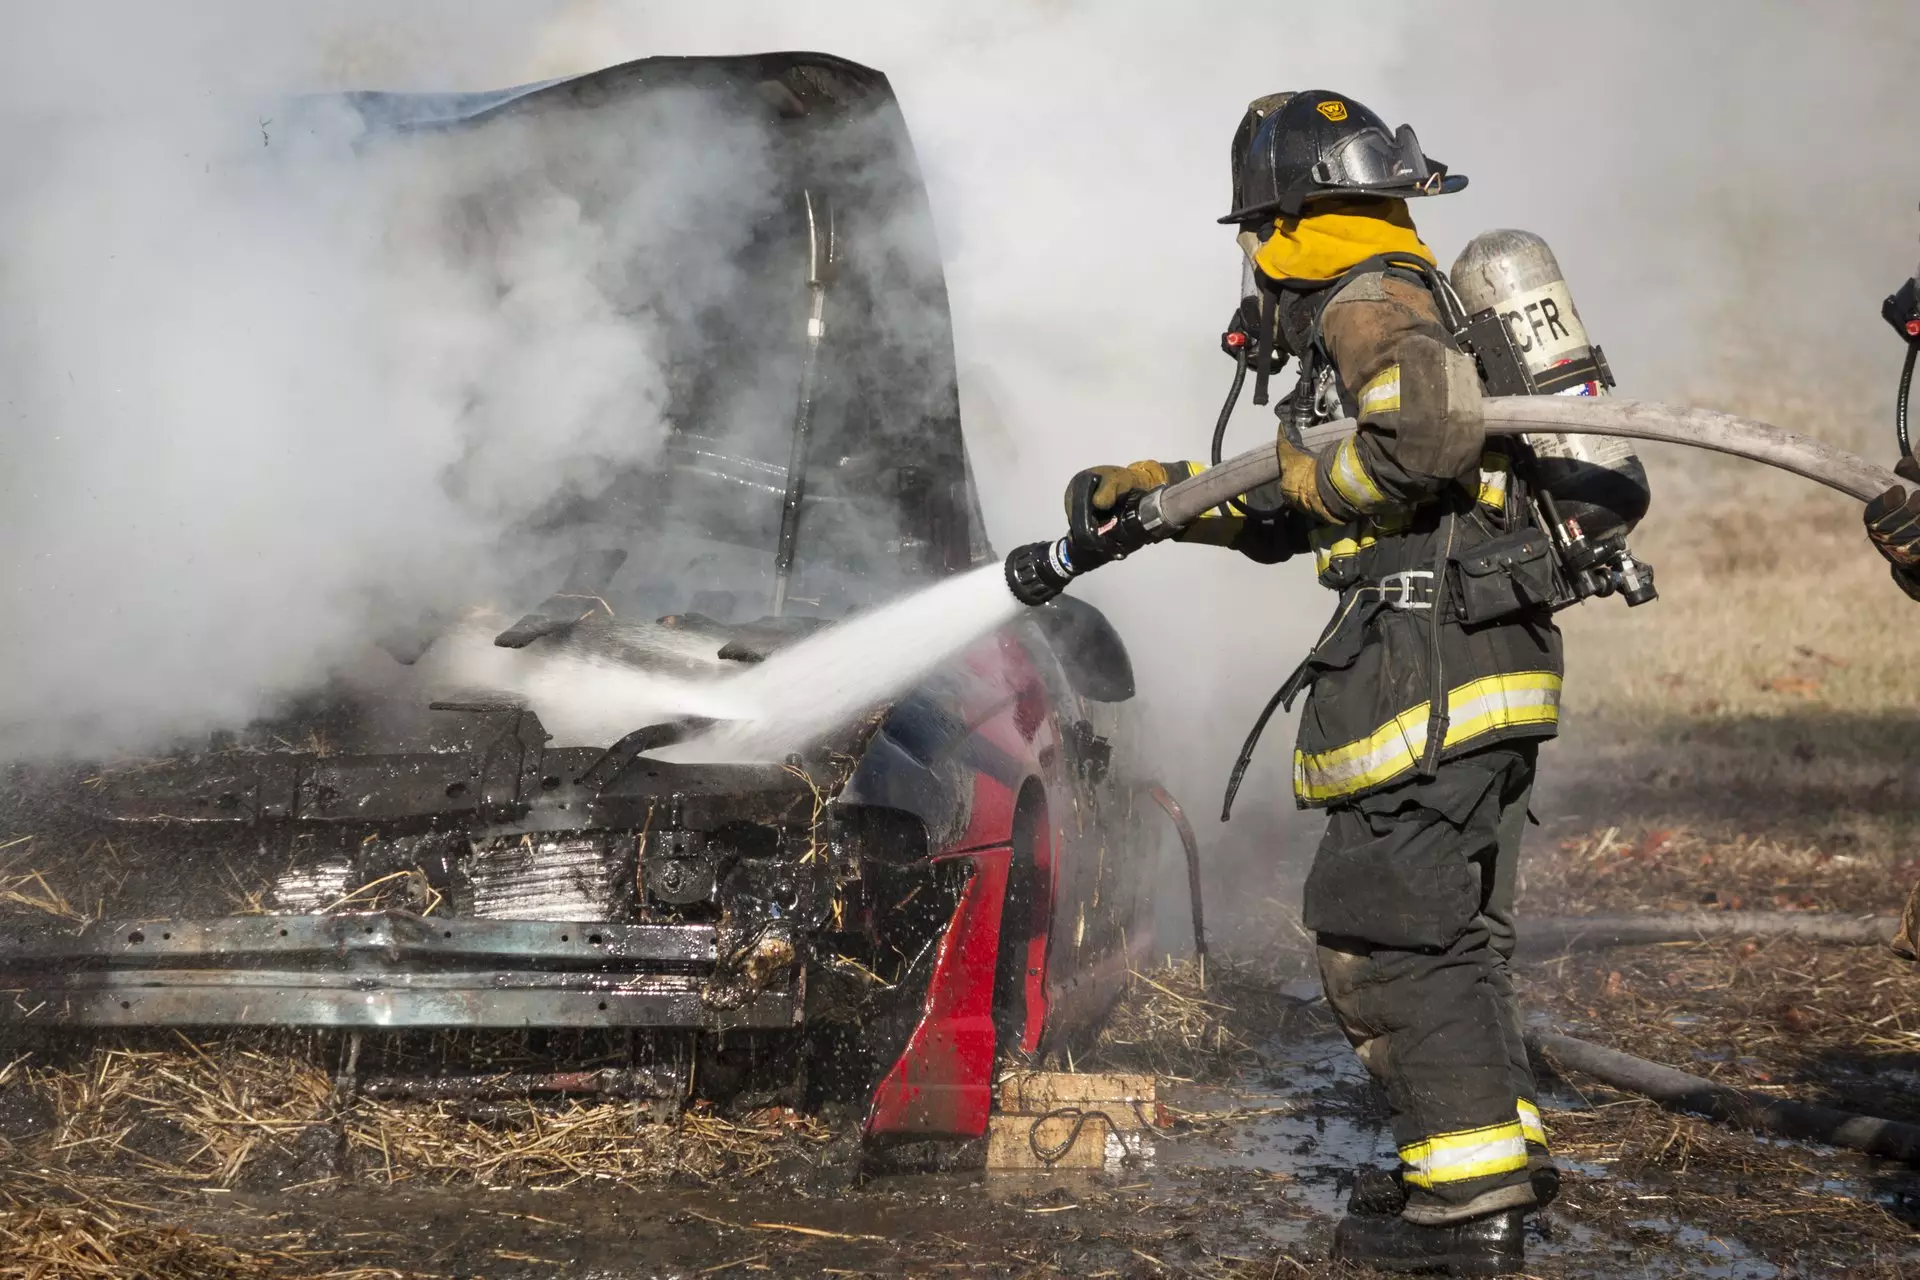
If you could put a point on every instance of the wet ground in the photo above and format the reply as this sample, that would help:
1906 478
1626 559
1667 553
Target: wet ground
1247 1186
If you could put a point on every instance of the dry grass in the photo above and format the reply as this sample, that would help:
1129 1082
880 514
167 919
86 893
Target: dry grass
1183 1022
71 1243
1822 1023
1648 868
262 1106
129 1133
1749 736
59 1224
1780 1201
40 1244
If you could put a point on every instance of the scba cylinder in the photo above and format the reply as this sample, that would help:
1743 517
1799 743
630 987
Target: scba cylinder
1598 483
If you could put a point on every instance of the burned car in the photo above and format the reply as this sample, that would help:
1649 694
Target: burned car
953 878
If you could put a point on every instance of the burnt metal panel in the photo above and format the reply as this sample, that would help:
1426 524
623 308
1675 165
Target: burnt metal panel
390 969
213 998
388 937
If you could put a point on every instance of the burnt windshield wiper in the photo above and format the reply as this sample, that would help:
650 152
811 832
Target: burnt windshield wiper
821 249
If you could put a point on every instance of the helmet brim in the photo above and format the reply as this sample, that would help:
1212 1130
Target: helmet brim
1447 185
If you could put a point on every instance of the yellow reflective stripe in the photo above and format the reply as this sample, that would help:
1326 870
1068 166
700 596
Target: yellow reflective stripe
1350 478
1381 394
1193 469
1501 702
1493 480
1337 542
1471 1153
1475 708
1530 1126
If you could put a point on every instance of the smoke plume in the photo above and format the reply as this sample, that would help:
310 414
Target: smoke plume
232 405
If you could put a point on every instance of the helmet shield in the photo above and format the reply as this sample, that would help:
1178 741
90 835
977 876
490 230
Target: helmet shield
1318 144
1371 159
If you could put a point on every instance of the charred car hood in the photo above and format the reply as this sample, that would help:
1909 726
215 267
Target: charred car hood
418 751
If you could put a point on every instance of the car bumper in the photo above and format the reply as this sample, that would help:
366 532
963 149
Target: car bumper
384 970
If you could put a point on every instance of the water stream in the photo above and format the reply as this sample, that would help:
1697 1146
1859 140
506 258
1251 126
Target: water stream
799 694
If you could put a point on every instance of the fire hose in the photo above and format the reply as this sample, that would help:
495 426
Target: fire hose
1039 571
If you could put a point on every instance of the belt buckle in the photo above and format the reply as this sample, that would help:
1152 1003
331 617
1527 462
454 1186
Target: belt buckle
1403 584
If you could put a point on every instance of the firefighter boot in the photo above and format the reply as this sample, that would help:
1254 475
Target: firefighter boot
1486 1246
1377 1191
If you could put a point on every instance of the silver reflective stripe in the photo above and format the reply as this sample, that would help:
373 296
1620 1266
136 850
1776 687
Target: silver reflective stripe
1390 752
1492 704
1444 1161
1350 477
1530 1126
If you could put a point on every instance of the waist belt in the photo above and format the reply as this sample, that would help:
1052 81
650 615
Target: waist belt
1407 589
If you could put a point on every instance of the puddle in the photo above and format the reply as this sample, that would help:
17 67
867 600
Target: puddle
1727 1259
1322 1124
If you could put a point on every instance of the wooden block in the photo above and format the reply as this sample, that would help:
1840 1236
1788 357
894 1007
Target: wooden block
1035 1092
1012 1139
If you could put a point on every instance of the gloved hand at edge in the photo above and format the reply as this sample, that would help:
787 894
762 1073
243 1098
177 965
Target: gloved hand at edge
1893 524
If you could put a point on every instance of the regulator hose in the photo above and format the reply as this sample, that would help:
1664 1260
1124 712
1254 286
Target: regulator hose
1899 405
1240 380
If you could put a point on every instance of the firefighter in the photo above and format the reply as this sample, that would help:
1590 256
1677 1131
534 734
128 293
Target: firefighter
1422 714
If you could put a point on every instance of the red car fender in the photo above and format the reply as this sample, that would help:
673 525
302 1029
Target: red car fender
942 1083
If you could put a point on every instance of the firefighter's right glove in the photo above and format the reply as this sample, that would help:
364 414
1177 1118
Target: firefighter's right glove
1893 523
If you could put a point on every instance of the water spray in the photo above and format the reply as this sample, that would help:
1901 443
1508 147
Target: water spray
1040 571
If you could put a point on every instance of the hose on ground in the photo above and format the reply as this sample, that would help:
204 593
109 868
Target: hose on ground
1677 1090
1553 935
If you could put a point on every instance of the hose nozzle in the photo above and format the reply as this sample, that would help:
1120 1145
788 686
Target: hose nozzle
1039 571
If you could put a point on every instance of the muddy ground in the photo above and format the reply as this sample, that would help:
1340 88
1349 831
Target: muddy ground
1731 753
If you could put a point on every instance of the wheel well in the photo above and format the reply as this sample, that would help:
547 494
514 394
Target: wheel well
1022 918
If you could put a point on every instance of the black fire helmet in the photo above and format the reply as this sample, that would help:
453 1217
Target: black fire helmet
1294 147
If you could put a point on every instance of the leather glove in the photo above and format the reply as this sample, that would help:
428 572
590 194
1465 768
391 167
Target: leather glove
1299 478
1116 483
1893 523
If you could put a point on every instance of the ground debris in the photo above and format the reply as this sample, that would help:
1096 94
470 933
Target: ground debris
75 1229
261 1107
1194 1022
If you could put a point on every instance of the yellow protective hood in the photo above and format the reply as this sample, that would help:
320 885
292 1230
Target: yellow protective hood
1334 237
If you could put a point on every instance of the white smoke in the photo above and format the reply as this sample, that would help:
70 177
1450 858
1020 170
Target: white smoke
225 427
277 387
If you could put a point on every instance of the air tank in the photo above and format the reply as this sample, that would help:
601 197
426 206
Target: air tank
1597 482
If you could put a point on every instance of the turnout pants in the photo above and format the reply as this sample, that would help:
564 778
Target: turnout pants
1411 899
